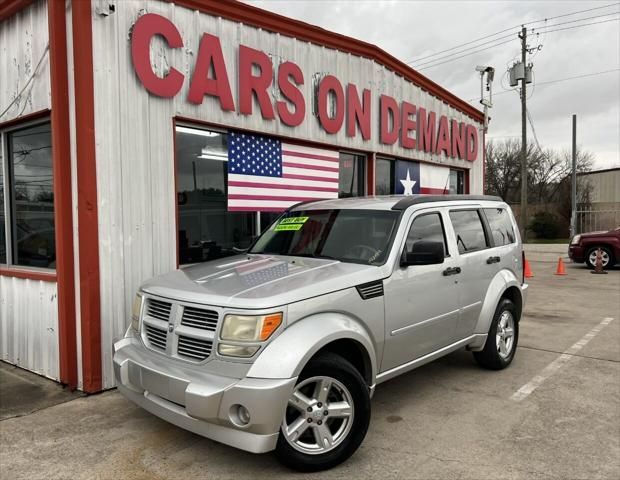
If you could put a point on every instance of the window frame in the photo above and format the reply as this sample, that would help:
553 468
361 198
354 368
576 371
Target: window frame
490 230
10 268
363 174
485 229
443 228
392 162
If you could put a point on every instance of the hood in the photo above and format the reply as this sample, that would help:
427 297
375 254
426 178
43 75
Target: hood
259 281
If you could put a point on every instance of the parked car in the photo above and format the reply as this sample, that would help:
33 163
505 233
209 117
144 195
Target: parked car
583 248
282 347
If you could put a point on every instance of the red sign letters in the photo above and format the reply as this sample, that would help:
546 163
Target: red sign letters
339 106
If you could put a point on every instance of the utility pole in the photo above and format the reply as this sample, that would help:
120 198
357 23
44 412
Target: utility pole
573 193
523 37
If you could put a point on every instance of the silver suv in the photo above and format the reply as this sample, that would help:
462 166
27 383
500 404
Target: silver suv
282 347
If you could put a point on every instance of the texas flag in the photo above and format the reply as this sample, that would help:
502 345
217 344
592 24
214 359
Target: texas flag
411 178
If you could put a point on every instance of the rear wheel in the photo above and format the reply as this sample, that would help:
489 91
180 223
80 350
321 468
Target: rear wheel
327 415
607 259
501 344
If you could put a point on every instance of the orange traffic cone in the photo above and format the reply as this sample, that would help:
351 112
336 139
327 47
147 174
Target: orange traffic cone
528 270
560 270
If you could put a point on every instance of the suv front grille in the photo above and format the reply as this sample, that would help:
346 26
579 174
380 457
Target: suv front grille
158 309
194 348
185 332
199 318
157 337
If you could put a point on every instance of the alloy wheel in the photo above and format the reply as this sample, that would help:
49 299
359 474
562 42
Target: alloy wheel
504 337
319 415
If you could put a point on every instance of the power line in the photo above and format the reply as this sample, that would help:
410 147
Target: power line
466 55
576 77
417 60
577 20
583 25
432 63
511 35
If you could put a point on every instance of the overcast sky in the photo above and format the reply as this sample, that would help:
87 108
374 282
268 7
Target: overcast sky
410 29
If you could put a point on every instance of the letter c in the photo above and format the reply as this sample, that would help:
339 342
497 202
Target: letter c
145 28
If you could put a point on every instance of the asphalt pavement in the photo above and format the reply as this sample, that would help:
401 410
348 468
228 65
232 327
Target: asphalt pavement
555 413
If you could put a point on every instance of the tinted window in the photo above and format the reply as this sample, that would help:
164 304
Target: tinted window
32 209
207 230
384 177
428 228
357 236
468 230
351 175
501 226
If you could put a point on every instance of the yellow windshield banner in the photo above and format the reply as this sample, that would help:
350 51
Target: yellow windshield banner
290 224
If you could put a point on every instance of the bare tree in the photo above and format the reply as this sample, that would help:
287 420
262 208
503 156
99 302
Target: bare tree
547 170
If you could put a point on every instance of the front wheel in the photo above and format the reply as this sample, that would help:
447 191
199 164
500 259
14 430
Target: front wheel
606 257
501 344
327 415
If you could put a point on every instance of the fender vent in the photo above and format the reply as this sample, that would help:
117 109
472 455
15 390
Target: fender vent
370 290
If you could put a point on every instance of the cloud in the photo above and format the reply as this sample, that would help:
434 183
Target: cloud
411 30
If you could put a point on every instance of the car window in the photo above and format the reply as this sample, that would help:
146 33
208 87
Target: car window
428 228
501 226
469 231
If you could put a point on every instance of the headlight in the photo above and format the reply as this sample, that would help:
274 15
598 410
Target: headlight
136 309
250 328
575 240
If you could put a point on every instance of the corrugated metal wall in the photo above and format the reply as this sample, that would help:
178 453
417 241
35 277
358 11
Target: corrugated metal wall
23 46
29 325
28 308
605 186
134 137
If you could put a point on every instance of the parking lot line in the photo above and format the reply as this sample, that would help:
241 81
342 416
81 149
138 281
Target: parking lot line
558 363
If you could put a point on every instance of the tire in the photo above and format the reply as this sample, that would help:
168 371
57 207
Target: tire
607 254
303 452
491 357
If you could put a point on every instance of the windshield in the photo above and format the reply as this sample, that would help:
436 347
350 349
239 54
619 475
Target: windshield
357 236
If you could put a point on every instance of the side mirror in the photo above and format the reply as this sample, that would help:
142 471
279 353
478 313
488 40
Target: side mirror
423 253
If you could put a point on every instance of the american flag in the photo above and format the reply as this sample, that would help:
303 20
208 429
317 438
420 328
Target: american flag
265 174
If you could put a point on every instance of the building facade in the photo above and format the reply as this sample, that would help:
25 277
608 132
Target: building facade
119 123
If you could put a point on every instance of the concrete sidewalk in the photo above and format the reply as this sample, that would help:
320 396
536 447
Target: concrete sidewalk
23 392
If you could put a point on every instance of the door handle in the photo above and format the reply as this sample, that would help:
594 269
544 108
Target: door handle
493 260
451 271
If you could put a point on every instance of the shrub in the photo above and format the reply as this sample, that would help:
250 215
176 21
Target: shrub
545 225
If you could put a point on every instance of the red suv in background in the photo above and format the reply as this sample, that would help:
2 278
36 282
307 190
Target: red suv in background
583 248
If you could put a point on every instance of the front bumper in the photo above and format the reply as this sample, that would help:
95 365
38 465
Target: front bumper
576 253
200 401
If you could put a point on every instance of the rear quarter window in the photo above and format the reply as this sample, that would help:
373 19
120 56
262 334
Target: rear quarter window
501 226
470 235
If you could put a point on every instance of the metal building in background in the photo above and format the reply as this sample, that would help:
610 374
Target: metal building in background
115 122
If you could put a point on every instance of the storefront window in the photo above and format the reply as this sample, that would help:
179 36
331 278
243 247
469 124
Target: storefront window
384 176
29 220
3 228
351 183
457 183
207 230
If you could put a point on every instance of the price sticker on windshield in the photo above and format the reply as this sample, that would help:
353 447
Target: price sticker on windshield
291 224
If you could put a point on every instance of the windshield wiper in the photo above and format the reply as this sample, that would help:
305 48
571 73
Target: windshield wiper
314 255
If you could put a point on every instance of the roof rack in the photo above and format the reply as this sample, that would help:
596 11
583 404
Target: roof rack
408 201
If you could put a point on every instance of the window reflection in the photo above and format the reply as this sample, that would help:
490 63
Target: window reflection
351 175
30 164
384 177
207 230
